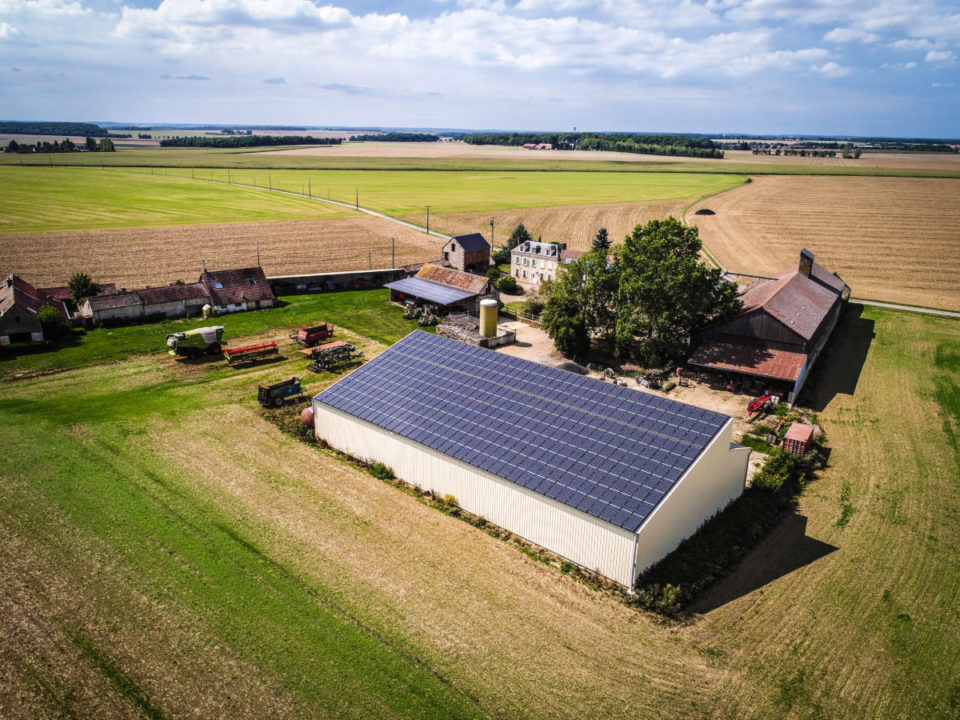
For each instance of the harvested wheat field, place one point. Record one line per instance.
(134, 257)
(891, 239)
(575, 225)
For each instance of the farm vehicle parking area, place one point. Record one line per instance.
(274, 577)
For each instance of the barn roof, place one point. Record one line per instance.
(758, 361)
(173, 293)
(471, 242)
(799, 302)
(605, 450)
(476, 284)
(430, 291)
(17, 291)
(237, 286)
(111, 302)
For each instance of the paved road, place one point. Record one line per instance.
(908, 308)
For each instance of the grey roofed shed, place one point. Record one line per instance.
(472, 242)
(431, 291)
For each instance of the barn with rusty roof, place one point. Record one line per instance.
(235, 290)
(444, 287)
(785, 322)
(20, 304)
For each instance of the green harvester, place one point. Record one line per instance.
(194, 343)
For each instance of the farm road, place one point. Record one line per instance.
(348, 206)
(908, 308)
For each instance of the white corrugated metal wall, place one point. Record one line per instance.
(562, 530)
(715, 479)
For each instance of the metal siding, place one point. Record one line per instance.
(562, 530)
(715, 479)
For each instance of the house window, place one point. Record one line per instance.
(252, 281)
(218, 285)
(453, 247)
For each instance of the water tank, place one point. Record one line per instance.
(488, 317)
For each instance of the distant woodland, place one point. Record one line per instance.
(396, 137)
(675, 145)
(11, 127)
(240, 141)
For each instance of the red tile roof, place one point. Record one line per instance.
(111, 302)
(234, 286)
(17, 291)
(799, 431)
(453, 278)
(62, 292)
(761, 362)
(799, 302)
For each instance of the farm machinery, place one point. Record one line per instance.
(250, 353)
(310, 336)
(194, 343)
(765, 403)
(276, 395)
(326, 357)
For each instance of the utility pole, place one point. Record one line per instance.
(369, 261)
(192, 175)
(270, 180)
(228, 176)
(309, 189)
(428, 217)
(491, 232)
(356, 201)
(258, 252)
(393, 252)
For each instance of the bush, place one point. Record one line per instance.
(508, 284)
(53, 322)
(493, 273)
(534, 306)
(381, 471)
(502, 257)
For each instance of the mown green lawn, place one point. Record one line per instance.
(365, 312)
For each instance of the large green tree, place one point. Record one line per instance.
(601, 242)
(665, 293)
(82, 286)
(519, 235)
(581, 304)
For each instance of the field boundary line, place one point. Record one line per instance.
(908, 308)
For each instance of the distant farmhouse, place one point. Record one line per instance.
(609, 478)
(785, 322)
(469, 253)
(20, 304)
(446, 288)
(236, 290)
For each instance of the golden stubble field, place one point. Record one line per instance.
(893, 239)
(135, 257)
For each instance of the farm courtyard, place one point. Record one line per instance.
(235, 571)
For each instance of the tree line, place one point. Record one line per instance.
(12, 127)
(247, 141)
(66, 146)
(395, 137)
(676, 145)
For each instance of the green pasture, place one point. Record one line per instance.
(34, 199)
(38, 199)
(267, 159)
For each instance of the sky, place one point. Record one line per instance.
(832, 67)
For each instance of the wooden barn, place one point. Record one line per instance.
(468, 253)
(445, 288)
(785, 322)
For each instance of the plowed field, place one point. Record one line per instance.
(134, 257)
(575, 225)
(891, 239)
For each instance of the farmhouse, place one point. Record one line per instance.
(533, 262)
(785, 322)
(171, 301)
(20, 304)
(610, 478)
(444, 287)
(236, 290)
(469, 253)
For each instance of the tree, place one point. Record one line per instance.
(53, 322)
(602, 241)
(519, 235)
(81, 286)
(13, 147)
(562, 318)
(508, 284)
(92, 145)
(106, 145)
(665, 292)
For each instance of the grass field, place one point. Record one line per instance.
(168, 552)
(890, 239)
(44, 199)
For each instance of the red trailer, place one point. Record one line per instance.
(249, 353)
(308, 337)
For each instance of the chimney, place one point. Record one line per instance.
(806, 262)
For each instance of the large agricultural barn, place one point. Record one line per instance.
(610, 478)
(444, 287)
(785, 322)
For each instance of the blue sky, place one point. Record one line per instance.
(755, 66)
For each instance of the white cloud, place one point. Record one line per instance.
(43, 8)
(940, 56)
(831, 70)
(846, 35)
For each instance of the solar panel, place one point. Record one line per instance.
(608, 450)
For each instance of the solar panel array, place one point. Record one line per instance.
(434, 292)
(608, 451)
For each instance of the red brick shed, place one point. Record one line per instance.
(798, 438)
